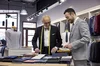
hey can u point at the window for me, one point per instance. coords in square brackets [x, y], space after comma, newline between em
[29, 30]
[2, 34]
[12, 21]
[29, 25]
[2, 18]
[6, 22]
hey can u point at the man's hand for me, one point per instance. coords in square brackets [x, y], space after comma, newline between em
[53, 50]
[67, 45]
[70, 46]
[37, 50]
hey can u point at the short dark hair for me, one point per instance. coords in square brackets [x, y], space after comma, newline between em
[70, 10]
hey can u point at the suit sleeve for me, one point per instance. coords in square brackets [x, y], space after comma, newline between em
[34, 40]
[84, 33]
[59, 40]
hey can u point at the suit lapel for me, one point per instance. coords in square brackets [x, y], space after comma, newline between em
[51, 34]
[42, 36]
[73, 29]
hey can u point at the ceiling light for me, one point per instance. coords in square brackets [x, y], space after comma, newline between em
[31, 18]
[37, 14]
[71, 7]
[44, 10]
[28, 19]
[23, 12]
[40, 13]
[62, 1]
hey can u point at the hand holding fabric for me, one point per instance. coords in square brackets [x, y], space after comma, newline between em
[37, 50]
[53, 50]
[67, 45]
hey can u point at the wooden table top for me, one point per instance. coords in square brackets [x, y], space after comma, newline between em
[29, 64]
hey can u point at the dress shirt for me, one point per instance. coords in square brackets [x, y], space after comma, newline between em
[46, 37]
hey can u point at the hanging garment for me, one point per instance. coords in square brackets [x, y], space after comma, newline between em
[95, 52]
[91, 27]
[97, 25]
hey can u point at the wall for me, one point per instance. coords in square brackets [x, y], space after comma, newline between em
[78, 5]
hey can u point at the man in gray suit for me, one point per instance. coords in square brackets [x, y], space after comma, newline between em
[79, 38]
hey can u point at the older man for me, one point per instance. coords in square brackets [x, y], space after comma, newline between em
[49, 37]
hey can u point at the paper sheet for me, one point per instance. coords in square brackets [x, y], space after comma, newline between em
[39, 56]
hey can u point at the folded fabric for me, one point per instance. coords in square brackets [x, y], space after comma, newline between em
[26, 58]
[66, 58]
[60, 54]
[29, 61]
[10, 57]
[21, 59]
[51, 57]
[39, 56]
[18, 60]
[30, 54]
[53, 60]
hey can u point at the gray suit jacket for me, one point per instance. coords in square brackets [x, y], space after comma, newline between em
[79, 38]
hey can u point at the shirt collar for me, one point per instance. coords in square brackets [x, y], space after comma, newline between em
[75, 20]
[47, 28]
